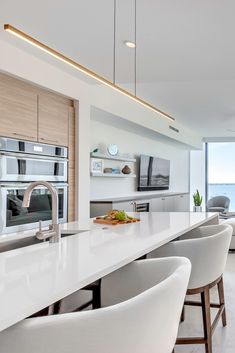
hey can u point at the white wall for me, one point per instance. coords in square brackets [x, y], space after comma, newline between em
[130, 138]
[197, 174]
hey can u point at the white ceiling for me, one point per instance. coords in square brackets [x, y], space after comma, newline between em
[185, 50]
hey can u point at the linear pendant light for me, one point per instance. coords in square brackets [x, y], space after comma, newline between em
[16, 32]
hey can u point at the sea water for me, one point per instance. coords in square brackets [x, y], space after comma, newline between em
[225, 190]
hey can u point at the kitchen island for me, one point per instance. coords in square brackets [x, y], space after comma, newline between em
[34, 277]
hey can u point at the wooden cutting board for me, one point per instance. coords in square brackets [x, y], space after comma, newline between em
[114, 222]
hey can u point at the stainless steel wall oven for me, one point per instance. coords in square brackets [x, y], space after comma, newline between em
[20, 163]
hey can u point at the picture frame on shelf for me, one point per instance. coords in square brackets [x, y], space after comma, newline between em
[97, 165]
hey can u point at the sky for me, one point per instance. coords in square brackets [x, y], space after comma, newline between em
[221, 163]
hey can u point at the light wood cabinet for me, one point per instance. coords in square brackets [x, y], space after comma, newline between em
[18, 109]
[53, 120]
[71, 167]
[31, 113]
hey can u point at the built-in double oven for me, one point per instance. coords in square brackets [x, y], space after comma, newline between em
[22, 162]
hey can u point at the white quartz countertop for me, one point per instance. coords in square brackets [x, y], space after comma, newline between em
[36, 276]
[138, 195]
[66, 228]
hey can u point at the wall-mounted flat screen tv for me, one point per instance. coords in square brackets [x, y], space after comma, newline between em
[154, 173]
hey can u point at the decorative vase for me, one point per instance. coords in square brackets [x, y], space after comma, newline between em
[197, 208]
[126, 170]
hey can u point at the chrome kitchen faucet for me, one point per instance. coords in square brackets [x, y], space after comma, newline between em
[53, 233]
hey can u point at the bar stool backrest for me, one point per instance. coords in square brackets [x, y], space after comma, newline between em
[146, 321]
[207, 249]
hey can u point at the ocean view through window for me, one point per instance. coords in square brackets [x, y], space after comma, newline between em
[221, 171]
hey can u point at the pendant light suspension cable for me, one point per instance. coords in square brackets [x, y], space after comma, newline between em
[114, 41]
[135, 63]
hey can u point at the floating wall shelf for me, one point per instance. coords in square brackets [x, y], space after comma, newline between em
[114, 158]
[112, 175]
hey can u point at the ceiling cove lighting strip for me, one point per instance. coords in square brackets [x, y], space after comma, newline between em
[16, 32]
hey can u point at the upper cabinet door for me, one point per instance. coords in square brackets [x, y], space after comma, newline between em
[53, 120]
[18, 109]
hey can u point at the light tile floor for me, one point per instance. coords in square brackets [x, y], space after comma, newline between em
[223, 338]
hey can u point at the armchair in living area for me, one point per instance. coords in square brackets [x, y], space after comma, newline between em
[218, 204]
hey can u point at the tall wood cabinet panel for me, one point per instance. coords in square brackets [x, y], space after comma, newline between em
[18, 109]
[71, 169]
[53, 120]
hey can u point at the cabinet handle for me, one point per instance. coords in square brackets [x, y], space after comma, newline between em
[134, 206]
[163, 199]
[22, 135]
[41, 138]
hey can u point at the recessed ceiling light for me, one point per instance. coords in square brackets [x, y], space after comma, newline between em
[129, 44]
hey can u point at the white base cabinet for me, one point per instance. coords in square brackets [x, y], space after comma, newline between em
[127, 206]
[170, 203]
[181, 203]
[175, 203]
[163, 204]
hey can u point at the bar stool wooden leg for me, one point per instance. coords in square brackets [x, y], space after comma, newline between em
[96, 298]
[206, 315]
[56, 308]
[222, 300]
[182, 318]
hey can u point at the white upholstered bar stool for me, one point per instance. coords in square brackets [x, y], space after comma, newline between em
[149, 299]
[207, 249]
[231, 222]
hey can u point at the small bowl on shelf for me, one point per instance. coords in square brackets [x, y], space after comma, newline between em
[126, 170]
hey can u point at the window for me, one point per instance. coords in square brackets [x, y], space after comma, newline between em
[221, 171]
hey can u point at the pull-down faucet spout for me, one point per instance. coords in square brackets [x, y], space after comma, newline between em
[54, 230]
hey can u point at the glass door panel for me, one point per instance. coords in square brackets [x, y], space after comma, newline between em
[221, 171]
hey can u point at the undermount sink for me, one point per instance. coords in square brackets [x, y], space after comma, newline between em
[21, 243]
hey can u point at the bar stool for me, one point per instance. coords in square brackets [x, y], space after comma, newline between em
[95, 301]
[86, 297]
[142, 316]
[207, 248]
[93, 292]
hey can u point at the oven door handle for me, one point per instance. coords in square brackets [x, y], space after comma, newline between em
[34, 157]
[25, 185]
